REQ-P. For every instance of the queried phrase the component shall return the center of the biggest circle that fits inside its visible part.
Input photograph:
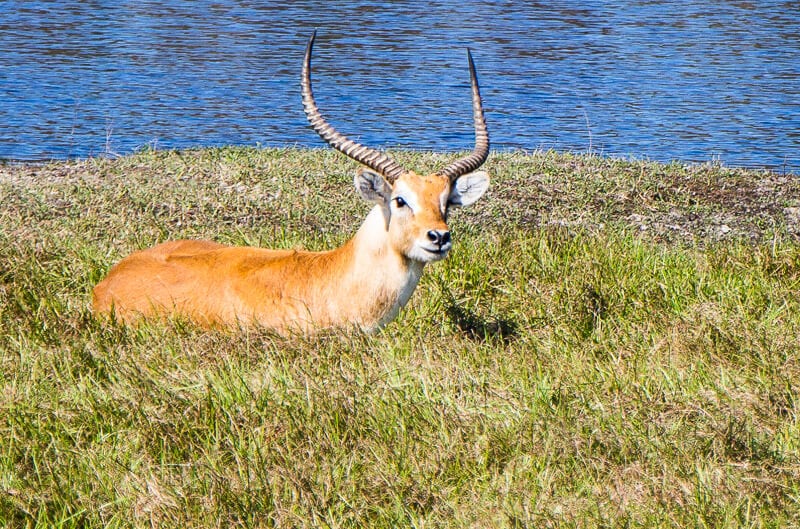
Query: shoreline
(670, 201)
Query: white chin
(427, 256)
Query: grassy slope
(610, 344)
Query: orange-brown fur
(365, 282)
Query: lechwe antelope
(364, 283)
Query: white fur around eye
(408, 196)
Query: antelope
(364, 283)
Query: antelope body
(364, 283)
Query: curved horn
(372, 158)
(481, 152)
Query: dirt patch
(671, 202)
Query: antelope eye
(400, 201)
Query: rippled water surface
(694, 81)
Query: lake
(690, 81)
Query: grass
(610, 344)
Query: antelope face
(416, 207)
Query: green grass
(597, 351)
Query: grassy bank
(609, 344)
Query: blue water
(693, 81)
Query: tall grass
(596, 352)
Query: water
(693, 81)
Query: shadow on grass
(479, 328)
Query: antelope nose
(438, 237)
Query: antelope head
(414, 207)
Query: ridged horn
(481, 152)
(375, 160)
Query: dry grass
(598, 351)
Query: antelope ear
(469, 188)
(373, 187)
